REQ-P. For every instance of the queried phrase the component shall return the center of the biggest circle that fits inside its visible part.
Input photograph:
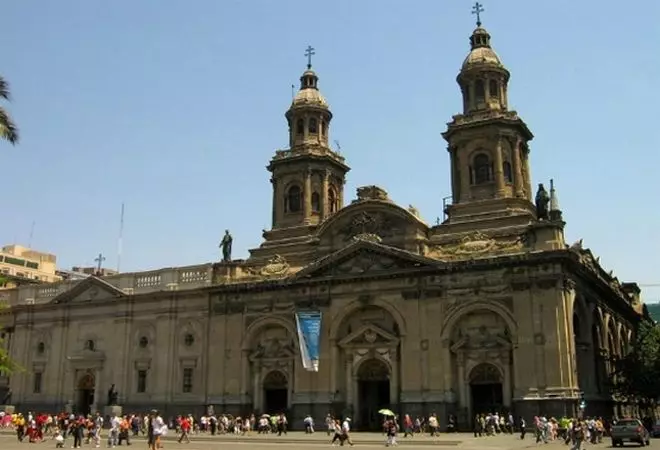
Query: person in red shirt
(185, 429)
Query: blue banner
(308, 324)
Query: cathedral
(490, 310)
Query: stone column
(276, 202)
(506, 386)
(517, 171)
(462, 385)
(256, 389)
(334, 361)
(307, 197)
(349, 379)
(394, 377)
(455, 188)
(325, 207)
(464, 165)
(98, 392)
(446, 361)
(245, 371)
(499, 172)
(526, 174)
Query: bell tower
(308, 178)
(487, 143)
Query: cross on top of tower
(309, 52)
(477, 9)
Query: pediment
(364, 257)
(369, 336)
(91, 289)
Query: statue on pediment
(225, 245)
(113, 396)
(542, 201)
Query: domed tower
(308, 178)
(488, 143)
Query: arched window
(479, 91)
(506, 168)
(482, 169)
(316, 202)
(300, 126)
(313, 125)
(293, 200)
(332, 200)
(493, 89)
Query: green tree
(8, 130)
(637, 374)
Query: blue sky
(175, 107)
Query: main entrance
(486, 389)
(86, 387)
(276, 392)
(373, 382)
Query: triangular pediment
(91, 289)
(366, 258)
(369, 335)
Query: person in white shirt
(98, 426)
(346, 431)
(113, 435)
(157, 429)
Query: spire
(555, 212)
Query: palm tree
(8, 130)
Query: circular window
(189, 340)
(90, 345)
(41, 348)
(144, 341)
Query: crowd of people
(119, 430)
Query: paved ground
(301, 441)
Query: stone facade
(488, 310)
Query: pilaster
(307, 196)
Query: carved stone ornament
(364, 223)
(371, 193)
(476, 243)
(277, 265)
(370, 336)
(369, 237)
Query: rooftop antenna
(293, 91)
(121, 237)
(31, 235)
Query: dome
(309, 94)
(309, 97)
(481, 55)
(480, 50)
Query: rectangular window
(36, 389)
(141, 381)
(187, 384)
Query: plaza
(298, 440)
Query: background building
(488, 311)
(20, 265)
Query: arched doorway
(373, 383)
(276, 392)
(486, 389)
(85, 388)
